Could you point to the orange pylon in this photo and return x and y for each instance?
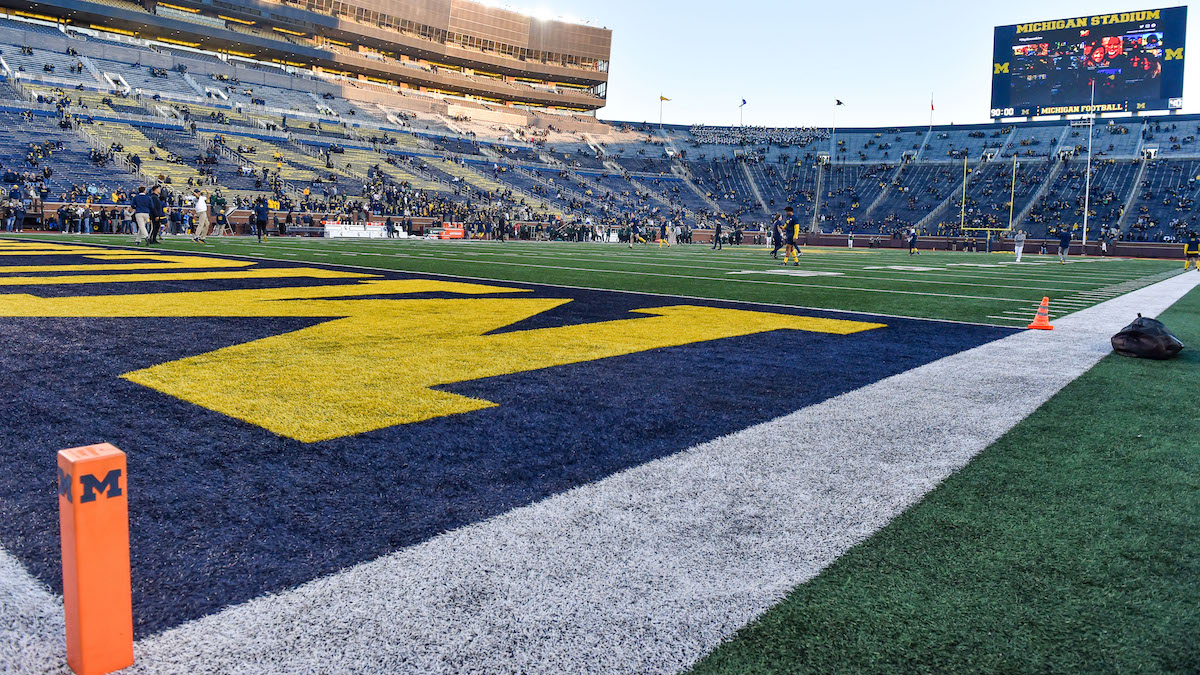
(94, 524)
(1042, 320)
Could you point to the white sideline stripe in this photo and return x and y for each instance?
(649, 569)
(32, 638)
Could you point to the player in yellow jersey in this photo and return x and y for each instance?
(791, 235)
(1191, 251)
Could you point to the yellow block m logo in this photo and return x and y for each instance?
(378, 358)
(1174, 54)
(1000, 69)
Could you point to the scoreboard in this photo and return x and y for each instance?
(1135, 60)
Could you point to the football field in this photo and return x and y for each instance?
(974, 287)
(441, 457)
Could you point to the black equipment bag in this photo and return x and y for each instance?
(1146, 339)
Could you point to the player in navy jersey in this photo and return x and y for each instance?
(634, 233)
(791, 234)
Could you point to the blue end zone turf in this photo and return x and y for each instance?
(223, 510)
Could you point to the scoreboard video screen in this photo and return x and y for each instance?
(1048, 67)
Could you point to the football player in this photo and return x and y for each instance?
(791, 233)
(634, 230)
(1191, 251)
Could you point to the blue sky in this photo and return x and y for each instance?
(790, 60)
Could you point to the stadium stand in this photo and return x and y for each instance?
(249, 128)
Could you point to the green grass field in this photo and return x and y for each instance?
(1070, 546)
(974, 287)
(1067, 546)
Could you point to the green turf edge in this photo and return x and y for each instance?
(1070, 545)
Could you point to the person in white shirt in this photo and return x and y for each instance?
(1019, 243)
(201, 217)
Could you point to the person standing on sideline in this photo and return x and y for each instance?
(1019, 244)
(791, 232)
(1064, 244)
(776, 237)
(912, 242)
(664, 233)
(157, 215)
(850, 240)
(261, 213)
(717, 245)
(1191, 251)
(201, 218)
(141, 215)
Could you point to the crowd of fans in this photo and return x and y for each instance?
(647, 189)
(777, 136)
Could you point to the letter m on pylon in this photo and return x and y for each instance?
(109, 486)
(1000, 69)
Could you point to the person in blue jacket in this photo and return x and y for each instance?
(262, 212)
(157, 213)
(1064, 244)
(141, 215)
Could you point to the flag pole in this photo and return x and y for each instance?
(833, 135)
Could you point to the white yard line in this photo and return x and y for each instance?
(690, 260)
(719, 279)
(733, 257)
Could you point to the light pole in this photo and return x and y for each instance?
(1087, 184)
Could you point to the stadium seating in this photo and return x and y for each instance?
(1166, 200)
(850, 189)
(72, 168)
(1111, 183)
(865, 180)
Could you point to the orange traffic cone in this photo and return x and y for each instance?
(1042, 320)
